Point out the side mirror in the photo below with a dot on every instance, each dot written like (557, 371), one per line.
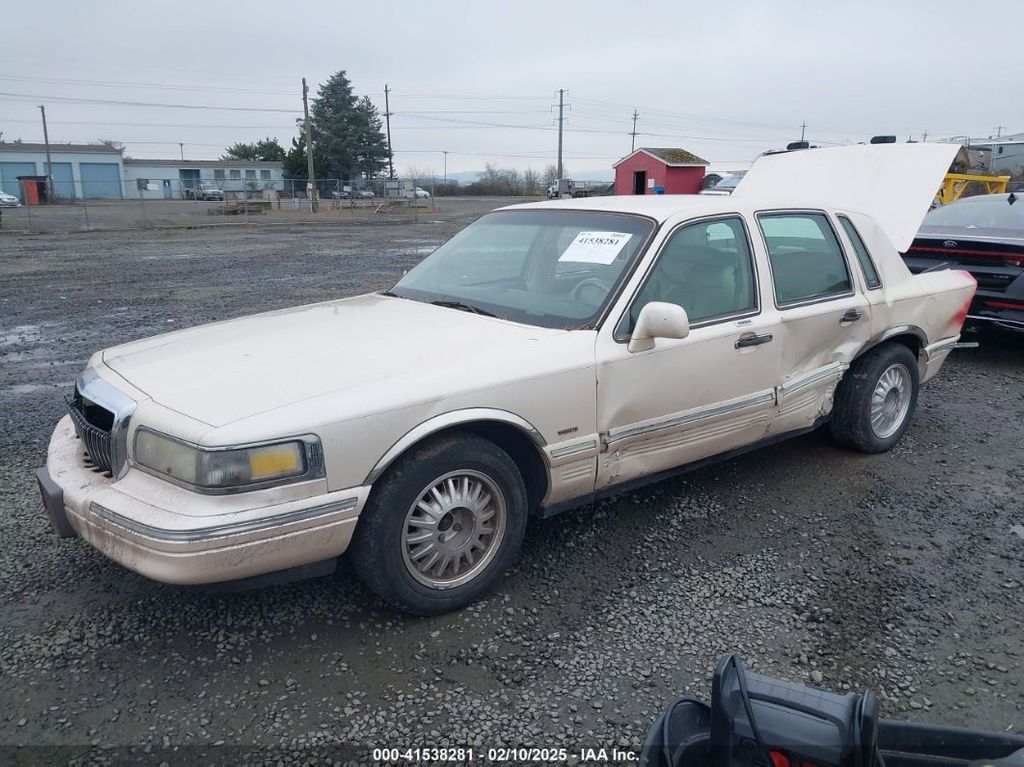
(658, 320)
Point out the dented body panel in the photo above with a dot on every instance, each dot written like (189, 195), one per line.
(373, 376)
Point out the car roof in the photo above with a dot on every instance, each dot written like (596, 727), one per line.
(662, 207)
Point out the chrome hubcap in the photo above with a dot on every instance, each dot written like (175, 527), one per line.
(454, 529)
(890, 401)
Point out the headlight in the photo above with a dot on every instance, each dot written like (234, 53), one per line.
(228, 469)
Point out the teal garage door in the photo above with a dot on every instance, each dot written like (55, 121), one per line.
(63, 181)
(9, 172)
(100, 179)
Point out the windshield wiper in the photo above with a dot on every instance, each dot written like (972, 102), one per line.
(464, 307)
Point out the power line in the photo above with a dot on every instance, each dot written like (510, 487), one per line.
(81, 100)
(130, 84)
(151, 125)
(441, 97)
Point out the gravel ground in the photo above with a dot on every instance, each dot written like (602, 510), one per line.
(900, 572)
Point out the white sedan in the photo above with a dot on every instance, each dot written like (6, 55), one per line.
(9, 200)
(548, 355)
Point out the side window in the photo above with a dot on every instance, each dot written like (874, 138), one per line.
(807, 262)
(866, 264)
(706, 268)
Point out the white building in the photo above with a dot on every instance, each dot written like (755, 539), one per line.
(170, 179)
(1003, 155)
(78, 170)
(88, 171)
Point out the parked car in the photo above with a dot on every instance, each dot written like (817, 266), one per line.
(9, 200)
(984, 236)
(726, 186)
(420, 193)
(548, 355)
(354, 194)
(205, 190)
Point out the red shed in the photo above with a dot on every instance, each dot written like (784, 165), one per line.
(665, 170)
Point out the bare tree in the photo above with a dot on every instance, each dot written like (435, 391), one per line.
(531, 180)
(550, 174)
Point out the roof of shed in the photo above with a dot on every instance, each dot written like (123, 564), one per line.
(673, 156)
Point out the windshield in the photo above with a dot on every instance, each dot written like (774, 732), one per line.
(989, 212)
(553, 268)
(729, 182)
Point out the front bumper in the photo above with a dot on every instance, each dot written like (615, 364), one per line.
(177, 536)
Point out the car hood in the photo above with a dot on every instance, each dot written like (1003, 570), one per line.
(895, 184)
(227, 371)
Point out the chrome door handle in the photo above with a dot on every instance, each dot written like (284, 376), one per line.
(851, 316)
(752, 339)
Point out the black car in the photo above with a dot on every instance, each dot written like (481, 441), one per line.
(983, 235)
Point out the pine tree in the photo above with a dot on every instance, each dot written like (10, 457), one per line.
(347, 139)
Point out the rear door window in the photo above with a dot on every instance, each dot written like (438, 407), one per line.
(806, 258)
(866, 264)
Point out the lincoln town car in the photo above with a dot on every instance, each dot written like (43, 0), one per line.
(548, 355)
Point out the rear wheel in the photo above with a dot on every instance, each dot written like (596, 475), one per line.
(441, 525)
(876, 399)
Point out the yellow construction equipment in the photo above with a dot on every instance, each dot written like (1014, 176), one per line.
(954, 185)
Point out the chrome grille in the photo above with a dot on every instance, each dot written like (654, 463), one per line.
(97, 439)
(101, 414)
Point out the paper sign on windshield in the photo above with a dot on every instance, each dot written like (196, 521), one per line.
(595, 247)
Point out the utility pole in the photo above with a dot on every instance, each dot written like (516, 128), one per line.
(924, 136)
(311, 184)
(445, 153)
(803, 127)
(49, 164)
(561, 120)
(387, 122)
(181, 149)
(999, 131)
(632, 144)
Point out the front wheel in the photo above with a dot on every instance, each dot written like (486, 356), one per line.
(441, 525)
(876, 399)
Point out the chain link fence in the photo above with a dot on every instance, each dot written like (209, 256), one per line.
(42, 205)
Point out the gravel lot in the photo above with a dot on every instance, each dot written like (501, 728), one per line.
(900, 572)
(109, 215)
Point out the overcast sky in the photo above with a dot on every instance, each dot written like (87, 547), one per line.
(725, 80)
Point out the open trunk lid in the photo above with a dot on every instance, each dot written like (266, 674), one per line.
(893, 183)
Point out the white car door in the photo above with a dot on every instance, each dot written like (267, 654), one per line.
(825, 318)
(705, 394)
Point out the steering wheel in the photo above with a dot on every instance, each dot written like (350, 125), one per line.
(591, 291)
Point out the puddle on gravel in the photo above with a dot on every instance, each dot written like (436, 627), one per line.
(32, 388)
(20, 334)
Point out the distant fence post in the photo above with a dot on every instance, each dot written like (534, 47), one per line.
(85, 209)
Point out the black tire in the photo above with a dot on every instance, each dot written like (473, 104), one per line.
(378, 550)
(851, 414)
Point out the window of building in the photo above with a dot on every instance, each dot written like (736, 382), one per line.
(250, 173)
(234, 173)
(866, 264)
(218, 173)
(807, 262)
(264, 174)
(706, 268)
